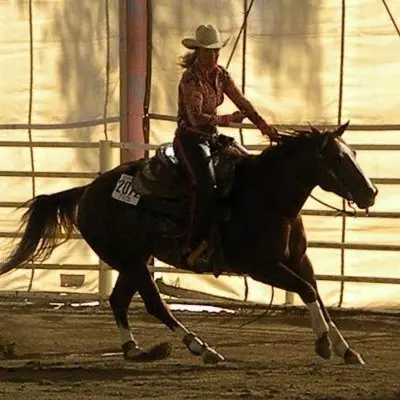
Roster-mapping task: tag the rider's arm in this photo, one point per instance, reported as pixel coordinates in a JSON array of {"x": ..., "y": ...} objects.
[{"x": 233, "y": 92}]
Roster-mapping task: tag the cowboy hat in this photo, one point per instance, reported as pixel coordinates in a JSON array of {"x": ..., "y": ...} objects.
[{"x": 206, "y": 37}]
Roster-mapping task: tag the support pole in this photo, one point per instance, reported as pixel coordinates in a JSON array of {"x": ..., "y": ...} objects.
[
  {"x": 133, "y": 59},
  {"x": 105, "y": 272},
  {"x": 289, "y": 298}
]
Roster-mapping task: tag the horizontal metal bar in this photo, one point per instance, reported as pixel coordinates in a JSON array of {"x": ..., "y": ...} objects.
[
  {"x": 358, "y": 279},
  {"x": 135, "y": 146},
  {"x": 360, "y": 147},
  {"x": 63, "y": 125},
  {"x": 72, "y": 145},
  {"x": 74, "y": 267},
  {"x": 377, "y": 147},
  {"x": 352, "y": 127},
  {"x": 333, "y": 278},
  {"x": 42, "y": 174},
  {"x": 359, "y": 214},
  {"x": 11, "y": 204},
  {"x": 386, "y": 181},
  {"x": 172, "y": 270},
  {"x": 78, "y": 145},
  {"x": 12, "y": 235},
  {"x": 313, "y": 244},
  {"x": 354, "y": 246}
]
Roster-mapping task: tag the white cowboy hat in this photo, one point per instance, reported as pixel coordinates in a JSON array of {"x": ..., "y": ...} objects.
[{"x": 207, "y": 37}]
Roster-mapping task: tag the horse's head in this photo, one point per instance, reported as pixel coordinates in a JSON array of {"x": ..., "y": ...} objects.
[{"x": 338, "y": 170}]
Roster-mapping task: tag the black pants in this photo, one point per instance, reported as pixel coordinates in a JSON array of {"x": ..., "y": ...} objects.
[{"x": 193, "y": 153}]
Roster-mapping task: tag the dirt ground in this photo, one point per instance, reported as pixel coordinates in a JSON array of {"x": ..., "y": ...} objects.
[{"x": 74, "y": 354}]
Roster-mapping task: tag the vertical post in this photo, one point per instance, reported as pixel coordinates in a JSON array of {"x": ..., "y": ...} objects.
[
  {"x": 340, "y": 110},
  {"x": 289, "y": 298},
  {"x": 123, "y": 85},
  {"x": 105, "y": 272},
  {"x": 134, "y": 51}
]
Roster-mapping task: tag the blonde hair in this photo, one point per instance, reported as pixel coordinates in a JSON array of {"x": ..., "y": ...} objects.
[{"x": 188, "y": 59}]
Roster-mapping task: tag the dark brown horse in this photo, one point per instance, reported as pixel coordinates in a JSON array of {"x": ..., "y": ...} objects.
[{"x": 263, "y": 237}]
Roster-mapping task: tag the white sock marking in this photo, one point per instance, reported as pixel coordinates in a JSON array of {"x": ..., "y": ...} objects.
[
  {"x": 318, "y": 323},
  {"x": 339, "y": 343}
]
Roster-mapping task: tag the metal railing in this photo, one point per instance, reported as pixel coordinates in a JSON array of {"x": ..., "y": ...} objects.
[{"x": 105, "y": 163}]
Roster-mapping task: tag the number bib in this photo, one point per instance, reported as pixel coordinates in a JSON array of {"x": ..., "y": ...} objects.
[{"x": 124, "y": 190}]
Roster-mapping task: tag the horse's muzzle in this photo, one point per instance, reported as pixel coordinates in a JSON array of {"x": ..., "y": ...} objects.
[{"x": 368, "y": 198}]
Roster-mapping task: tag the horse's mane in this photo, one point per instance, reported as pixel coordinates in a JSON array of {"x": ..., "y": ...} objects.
[{"x": 290, "y": 144}]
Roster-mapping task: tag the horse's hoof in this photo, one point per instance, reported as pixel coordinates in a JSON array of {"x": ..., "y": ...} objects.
[
  {"x": 194, "y": 344},
  {"x": 323, "y": 346},
  {"x": 352, "y": 357},
  {"x": 211, "y": 356},
  {"x": 132, "y": 352}
]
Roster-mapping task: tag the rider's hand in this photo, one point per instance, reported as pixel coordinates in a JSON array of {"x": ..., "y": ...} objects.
[
  {"x": 268, "y": 130},
  {"x": 238, "y": 116},
  {"x": 224, "y": 140}
]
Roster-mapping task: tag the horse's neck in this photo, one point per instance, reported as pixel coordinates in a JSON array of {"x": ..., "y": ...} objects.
[{"x": 278, "y": 183}]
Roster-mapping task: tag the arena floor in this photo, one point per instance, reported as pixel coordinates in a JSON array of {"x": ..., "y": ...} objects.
[{"x": 73, "y": 353}]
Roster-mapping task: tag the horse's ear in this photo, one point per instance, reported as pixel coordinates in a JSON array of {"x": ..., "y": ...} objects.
[
  {"x": 314, "y": 130},
  {"x": 339, "y": 131}
]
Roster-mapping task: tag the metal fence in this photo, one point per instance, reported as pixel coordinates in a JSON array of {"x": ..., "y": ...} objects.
[{"x": 105, "y": 149}]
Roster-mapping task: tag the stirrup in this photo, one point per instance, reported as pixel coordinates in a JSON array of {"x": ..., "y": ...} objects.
[{"x": 191, "y": 260}]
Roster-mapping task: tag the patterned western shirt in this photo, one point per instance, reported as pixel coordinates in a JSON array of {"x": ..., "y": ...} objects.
[{"x": 202, "y": 90}]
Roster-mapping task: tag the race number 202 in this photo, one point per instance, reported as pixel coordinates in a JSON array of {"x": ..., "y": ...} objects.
[{"x": 124, "y": 192}]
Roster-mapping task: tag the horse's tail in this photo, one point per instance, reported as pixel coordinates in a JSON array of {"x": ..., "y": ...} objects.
[{"x": 48, "y": 222}]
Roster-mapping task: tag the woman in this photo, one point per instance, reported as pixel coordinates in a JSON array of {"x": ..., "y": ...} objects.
[{"x": 201, "y": 90}]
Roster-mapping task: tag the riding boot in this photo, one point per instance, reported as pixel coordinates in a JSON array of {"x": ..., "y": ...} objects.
[
  {"x": 200, "y": 228},
  {"x": 209, "y": 257}
]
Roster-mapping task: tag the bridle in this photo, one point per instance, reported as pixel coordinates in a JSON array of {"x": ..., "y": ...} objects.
[
  {"x": 321, "y": 159},
  {"x": 350, "y": 203}
]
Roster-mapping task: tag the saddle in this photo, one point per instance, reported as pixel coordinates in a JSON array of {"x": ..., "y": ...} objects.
[
  {"x": 160, "y": 184},
  {"x": 162, "y": 177}
]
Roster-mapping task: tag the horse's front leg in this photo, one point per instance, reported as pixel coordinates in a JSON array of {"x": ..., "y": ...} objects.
[
  {"x": 342, "y": 348},
  {"x": 340, "y": 345},
  {"x": 157, "y": 307},
  {"x": 279, "y": 275}
]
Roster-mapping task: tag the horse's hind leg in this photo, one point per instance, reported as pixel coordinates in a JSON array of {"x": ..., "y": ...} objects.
[
  {"x": 157, "y": 307},
  {"x": 340, "y": 346},
  {"x": 120, "y": 298}
]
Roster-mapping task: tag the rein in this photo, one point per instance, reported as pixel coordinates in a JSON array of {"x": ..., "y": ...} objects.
[{"x": 339, "y": 212}]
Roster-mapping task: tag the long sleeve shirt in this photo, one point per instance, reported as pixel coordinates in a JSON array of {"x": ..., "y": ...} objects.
[{"x": 202, "y": 90}]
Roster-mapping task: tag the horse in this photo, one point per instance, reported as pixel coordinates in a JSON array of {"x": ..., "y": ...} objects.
[{"x": 263, "y": 237}]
